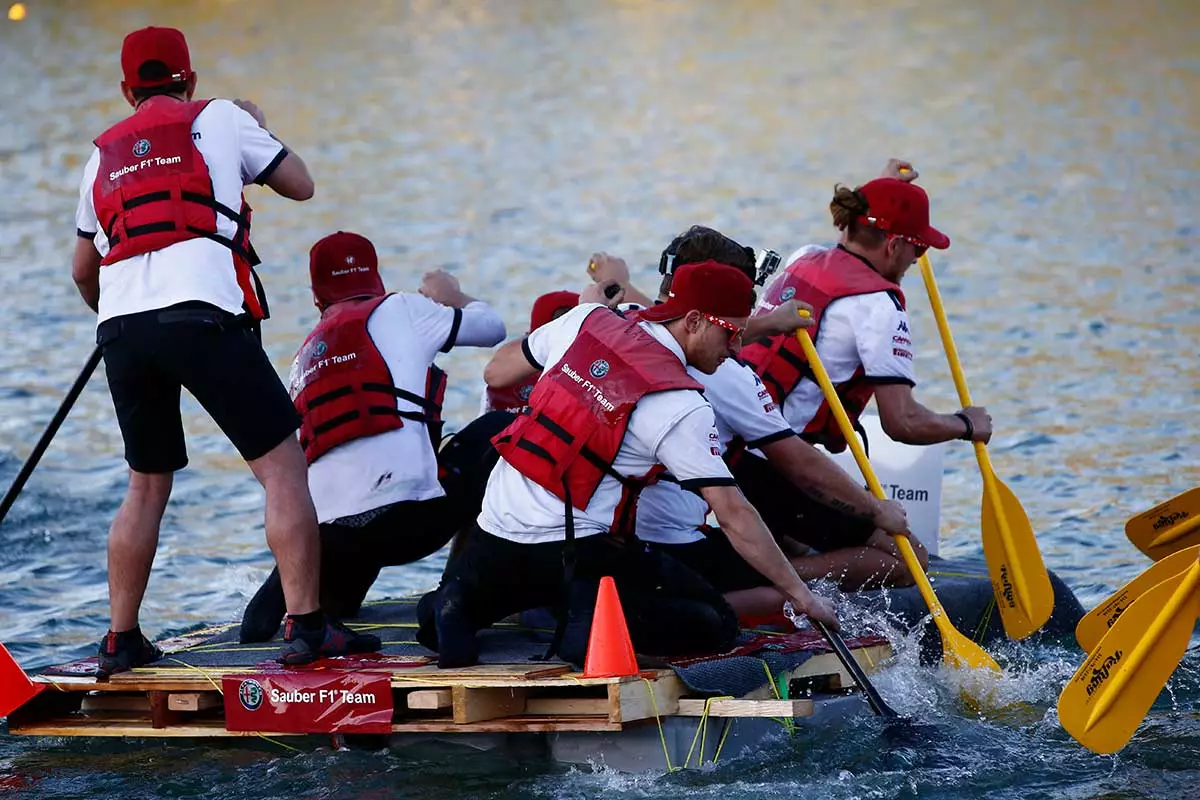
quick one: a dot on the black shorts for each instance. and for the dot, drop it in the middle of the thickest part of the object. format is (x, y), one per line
(789, 512)
(148, 356)
(714, 558)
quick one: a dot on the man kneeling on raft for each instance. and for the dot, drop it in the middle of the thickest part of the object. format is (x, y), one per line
(615, 406)
(747, 418)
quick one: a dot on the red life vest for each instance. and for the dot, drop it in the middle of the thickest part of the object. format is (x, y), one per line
(513, 398)
(569, 437)
(153, 190)
(344, 389)
(817, 279)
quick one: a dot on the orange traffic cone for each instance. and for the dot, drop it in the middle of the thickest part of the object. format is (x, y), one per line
(15, 687)
(610, 650)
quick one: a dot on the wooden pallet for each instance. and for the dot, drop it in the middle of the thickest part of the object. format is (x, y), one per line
(504, 698)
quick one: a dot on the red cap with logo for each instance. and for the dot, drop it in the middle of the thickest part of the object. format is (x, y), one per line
(550, 306)
(342, 266)
(707, 287)
(155, 44)
(901, 208)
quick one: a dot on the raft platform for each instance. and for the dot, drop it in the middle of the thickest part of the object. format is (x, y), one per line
(676, 712)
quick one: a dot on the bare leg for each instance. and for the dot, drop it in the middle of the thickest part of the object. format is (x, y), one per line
(291, 523)
(132, 542)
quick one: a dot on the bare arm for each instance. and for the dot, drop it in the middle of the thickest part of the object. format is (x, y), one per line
(509, 366)
(753, 542)
(820, 478)
(291, 178)
(906, 420)
(85, 269)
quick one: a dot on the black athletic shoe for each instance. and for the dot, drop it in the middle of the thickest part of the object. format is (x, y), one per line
(265, 611)
(121, 652)
(335, 639)
(456, 645)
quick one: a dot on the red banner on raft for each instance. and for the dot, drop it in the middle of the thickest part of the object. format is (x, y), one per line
(308, 702)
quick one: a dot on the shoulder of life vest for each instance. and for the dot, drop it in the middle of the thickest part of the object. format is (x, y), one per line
(153, 190)
(344, 390)
(817, 279)
(579, 410)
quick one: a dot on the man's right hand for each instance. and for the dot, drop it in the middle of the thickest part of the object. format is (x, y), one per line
(900, 169)
(981, 421)
(253, 110)
(816, 607)
(599, 291)
(442, 287)
(891, 517)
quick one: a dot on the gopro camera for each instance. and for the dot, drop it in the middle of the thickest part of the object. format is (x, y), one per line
(765, 264)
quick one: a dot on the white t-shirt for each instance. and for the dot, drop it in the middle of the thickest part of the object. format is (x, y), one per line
(409, 330)
(673, 428)
(667, 513)
(237, 151)
(868, 330)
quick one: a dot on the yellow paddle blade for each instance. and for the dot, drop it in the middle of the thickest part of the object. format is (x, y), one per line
(1168, 527)
(1108, 697)
(1095, 623)
(1019, 578)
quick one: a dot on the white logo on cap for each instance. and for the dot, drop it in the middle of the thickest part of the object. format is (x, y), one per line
(349, 259)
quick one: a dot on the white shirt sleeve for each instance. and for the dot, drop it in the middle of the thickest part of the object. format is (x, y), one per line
(260, 151)
(432, 323)
(743, 406)
(480, 326)
(691, 452)
(881, 332)
(86, 224)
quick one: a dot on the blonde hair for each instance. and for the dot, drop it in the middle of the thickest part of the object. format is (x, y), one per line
(846, 207)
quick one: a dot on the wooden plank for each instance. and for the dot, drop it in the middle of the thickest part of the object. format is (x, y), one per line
(519, 724)
(193, 701)
(140, 727)
(477, 705)
(694, 707)
(646, 699)
(567, 706)
(430, 699)
(869, 658)
(111, 701)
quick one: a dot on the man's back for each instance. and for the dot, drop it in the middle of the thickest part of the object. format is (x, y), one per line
(237, 151)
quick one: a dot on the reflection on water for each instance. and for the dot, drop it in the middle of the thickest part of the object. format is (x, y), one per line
(509, 140)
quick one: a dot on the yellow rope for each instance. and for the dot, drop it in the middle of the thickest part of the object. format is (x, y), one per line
(662, 737)
(721, 744)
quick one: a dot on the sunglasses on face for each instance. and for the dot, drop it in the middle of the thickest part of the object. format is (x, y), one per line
(917, 244)
(734, 331)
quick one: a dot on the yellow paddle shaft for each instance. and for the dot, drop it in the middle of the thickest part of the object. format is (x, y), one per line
(839, 412)
(1145, 645)
(964, 397)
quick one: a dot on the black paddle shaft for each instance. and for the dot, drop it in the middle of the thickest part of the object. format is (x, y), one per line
(847, 658)
(51, 429)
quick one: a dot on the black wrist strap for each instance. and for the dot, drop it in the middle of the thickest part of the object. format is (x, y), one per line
(970, 434)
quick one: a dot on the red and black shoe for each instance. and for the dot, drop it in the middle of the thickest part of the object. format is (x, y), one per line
(302, 646)
(121, 652)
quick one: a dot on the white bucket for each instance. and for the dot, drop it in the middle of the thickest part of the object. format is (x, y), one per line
(910, 474)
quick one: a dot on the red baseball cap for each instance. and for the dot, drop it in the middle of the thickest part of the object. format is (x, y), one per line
(902, 208)
(708, 287)
(155, 44)
(549, 306)
(344, 265)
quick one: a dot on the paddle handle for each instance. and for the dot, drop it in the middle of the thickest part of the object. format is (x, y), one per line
(51, 429)
(873, 698)
(964, 397)
(864, 465)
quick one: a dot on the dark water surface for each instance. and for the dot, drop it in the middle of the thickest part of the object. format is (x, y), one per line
(508, 140)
